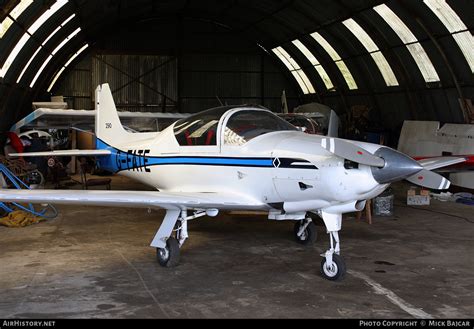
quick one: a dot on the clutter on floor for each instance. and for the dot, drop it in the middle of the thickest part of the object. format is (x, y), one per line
(461, 197)
(20, 218)
(418, 197)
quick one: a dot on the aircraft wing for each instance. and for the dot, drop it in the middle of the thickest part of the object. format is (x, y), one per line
(63, 153)
(45, 118)
(137, 199)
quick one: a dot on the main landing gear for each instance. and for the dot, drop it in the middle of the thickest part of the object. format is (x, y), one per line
(168, 246)
(169, 255)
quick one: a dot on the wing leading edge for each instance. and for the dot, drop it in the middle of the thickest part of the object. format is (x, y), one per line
(138, 199)
(63, 153)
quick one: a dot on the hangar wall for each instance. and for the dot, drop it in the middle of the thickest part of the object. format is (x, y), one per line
(189, 83)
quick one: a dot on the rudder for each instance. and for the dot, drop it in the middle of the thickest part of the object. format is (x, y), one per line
(108, 127)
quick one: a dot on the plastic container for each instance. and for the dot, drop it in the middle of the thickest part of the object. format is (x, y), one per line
(383, 204)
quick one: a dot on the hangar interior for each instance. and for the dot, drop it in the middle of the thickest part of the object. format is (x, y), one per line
(375, 63)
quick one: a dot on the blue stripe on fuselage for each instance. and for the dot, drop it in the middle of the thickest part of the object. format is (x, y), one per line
(254, 162)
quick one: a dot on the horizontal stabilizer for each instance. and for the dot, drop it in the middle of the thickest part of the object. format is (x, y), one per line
(439, 162)
(429, 180)
(352, 152)
(60, 153)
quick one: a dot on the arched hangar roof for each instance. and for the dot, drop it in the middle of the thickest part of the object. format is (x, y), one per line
(327, 47)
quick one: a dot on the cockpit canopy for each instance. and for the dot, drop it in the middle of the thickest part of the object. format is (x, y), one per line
(242, 124)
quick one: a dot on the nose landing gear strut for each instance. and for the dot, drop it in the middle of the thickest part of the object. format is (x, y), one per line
(333, 266)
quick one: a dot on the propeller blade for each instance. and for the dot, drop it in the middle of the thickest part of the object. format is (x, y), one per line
(351, 152)
(439, 162)
(430, 180)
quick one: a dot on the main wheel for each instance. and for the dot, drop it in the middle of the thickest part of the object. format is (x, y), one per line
(168, 256)
(308, 236)
(336, 271)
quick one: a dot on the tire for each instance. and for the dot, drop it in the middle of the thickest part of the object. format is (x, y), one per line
(168, 256)
(308, 236)
(338, 270)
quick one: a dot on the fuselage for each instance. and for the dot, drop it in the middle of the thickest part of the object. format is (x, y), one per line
(286, 168)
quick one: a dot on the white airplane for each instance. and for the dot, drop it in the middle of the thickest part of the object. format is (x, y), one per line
(238, 158)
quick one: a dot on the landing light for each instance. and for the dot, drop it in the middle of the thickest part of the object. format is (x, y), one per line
(212, 212)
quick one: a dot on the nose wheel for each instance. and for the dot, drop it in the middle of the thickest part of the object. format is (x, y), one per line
(334, 270)
(333, 266)
(305, 231)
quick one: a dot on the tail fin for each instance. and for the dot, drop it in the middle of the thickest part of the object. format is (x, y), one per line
(333, 124)
(284, 103)
(108, 127)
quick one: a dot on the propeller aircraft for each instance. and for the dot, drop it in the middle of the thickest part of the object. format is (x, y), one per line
(238, 158)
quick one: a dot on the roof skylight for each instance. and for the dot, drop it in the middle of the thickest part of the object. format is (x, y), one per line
(318, 67)
(33, 28)
(456, 27)
(56, 77)
(411, 42)
(337, 59)
(377, 56)
(42, 45)
(295, 69)
(13, 15)
(52, 54)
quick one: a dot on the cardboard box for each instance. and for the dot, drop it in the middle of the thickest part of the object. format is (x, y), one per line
(85, 141)
(425, 192)
(418, 200)
(417, 197)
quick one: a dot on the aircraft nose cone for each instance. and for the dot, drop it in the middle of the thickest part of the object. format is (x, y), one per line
(397, 166)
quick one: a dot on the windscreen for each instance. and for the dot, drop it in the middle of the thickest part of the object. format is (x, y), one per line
(199, 129)
(245, 125)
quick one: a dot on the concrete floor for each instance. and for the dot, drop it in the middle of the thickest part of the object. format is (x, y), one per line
(96, 262)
